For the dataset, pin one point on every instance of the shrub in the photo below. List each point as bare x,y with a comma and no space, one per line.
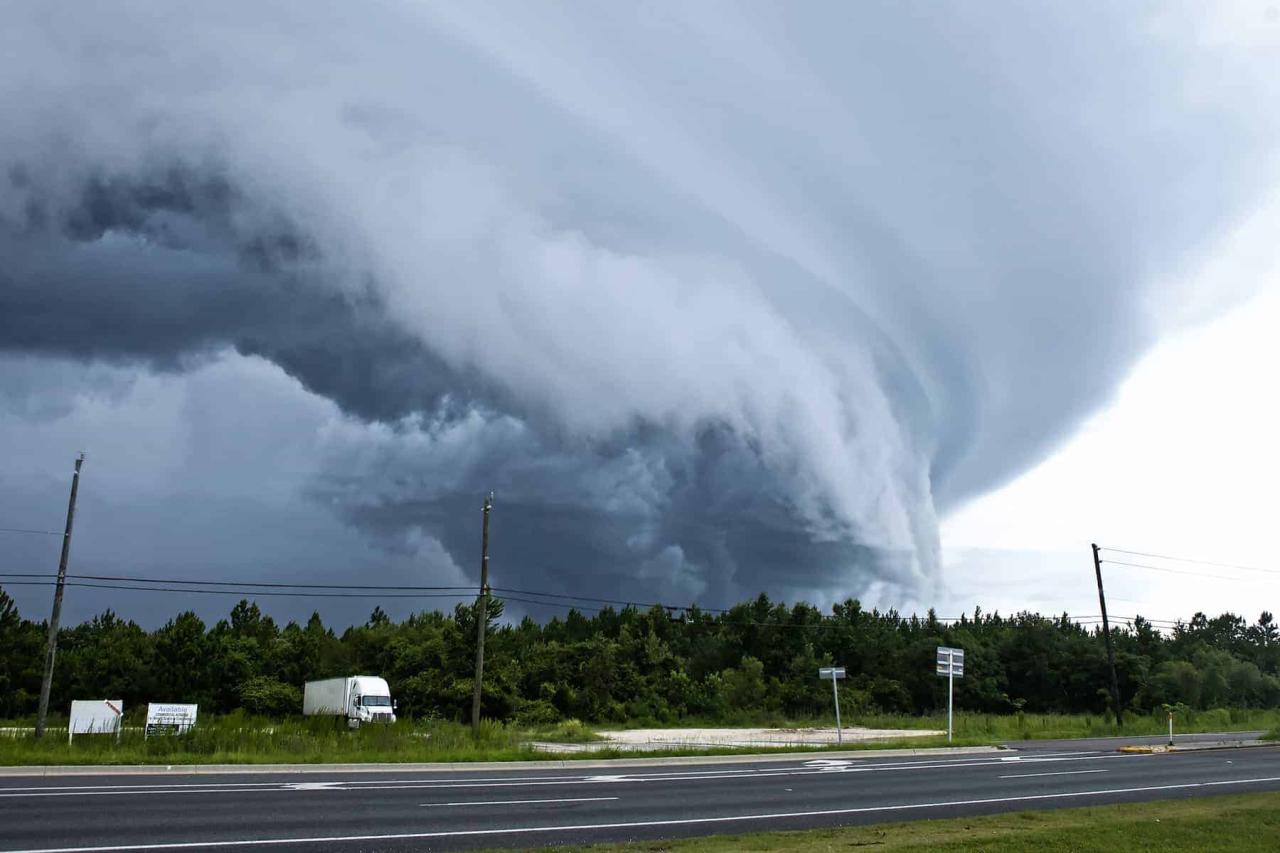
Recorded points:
270,697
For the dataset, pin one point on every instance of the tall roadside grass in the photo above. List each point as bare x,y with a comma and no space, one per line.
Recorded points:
241,739
996,728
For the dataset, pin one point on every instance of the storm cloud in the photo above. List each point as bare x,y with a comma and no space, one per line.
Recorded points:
717,298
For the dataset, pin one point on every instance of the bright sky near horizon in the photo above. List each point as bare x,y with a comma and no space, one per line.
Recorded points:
1183,463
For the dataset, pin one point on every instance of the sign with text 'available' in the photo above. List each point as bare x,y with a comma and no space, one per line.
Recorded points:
95,717
165,718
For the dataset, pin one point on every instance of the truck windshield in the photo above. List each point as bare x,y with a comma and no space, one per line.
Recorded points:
376,701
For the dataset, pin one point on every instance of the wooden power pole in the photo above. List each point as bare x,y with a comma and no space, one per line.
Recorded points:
482,615
51,648
1106,633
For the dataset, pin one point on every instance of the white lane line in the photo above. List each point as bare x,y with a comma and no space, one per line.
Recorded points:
518,830
510,782
109,793
152,787
639,775
1059,773
520,802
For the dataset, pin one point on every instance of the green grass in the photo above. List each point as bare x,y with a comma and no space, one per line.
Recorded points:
1240,823
998,728
240,739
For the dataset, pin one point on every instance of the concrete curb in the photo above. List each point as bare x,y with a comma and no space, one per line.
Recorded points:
1161,748
549,764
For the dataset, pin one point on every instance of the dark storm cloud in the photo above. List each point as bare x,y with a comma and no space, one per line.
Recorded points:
154,270
717,298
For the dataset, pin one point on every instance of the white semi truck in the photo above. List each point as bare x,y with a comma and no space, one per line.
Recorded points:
357,698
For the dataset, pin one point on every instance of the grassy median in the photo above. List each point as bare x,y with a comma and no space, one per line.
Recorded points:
1239,823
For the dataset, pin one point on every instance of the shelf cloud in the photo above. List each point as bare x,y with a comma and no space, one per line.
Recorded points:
718,298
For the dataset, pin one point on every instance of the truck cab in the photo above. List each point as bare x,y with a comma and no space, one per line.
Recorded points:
371,702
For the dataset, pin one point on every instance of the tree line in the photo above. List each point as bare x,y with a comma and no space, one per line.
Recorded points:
760,657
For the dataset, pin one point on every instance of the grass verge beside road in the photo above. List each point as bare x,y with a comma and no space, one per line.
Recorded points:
1240,823
240,739
237,739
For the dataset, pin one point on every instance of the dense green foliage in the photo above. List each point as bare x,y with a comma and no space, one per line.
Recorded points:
757,659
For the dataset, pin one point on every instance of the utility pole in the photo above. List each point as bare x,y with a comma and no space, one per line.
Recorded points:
482,615
1106,633
51,650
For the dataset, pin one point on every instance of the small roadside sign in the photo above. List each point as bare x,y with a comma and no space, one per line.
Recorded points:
950,665
834,674
950,662
169,718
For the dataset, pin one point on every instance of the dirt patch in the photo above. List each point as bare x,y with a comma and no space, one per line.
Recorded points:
758,737
642,740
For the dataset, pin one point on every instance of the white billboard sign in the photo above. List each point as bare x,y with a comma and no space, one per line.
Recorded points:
95,717
170,718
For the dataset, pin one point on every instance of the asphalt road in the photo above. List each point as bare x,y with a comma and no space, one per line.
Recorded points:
528,808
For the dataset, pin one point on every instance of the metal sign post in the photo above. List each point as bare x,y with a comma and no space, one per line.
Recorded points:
951,664
835,673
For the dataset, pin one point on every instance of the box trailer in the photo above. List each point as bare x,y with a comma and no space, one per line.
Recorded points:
356,698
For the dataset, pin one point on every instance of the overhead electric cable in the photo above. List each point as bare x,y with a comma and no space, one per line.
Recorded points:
1189,560
244,592
607,600
282,589
247,584
1168,570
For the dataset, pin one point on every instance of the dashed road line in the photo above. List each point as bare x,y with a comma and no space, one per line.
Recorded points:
746,818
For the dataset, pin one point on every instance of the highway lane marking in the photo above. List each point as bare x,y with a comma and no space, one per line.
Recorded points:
749,772
150,792
1058,773
356,784
152,787
521,802
518,830
507,782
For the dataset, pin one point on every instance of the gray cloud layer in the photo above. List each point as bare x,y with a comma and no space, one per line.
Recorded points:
717,298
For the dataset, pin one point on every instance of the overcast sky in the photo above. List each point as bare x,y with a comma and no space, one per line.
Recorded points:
903,302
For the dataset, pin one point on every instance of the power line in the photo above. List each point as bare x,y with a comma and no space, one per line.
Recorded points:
1197,562
1168,570
245,592
619,602
826,625
28,530
549,603
831,624
243,584
282,589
